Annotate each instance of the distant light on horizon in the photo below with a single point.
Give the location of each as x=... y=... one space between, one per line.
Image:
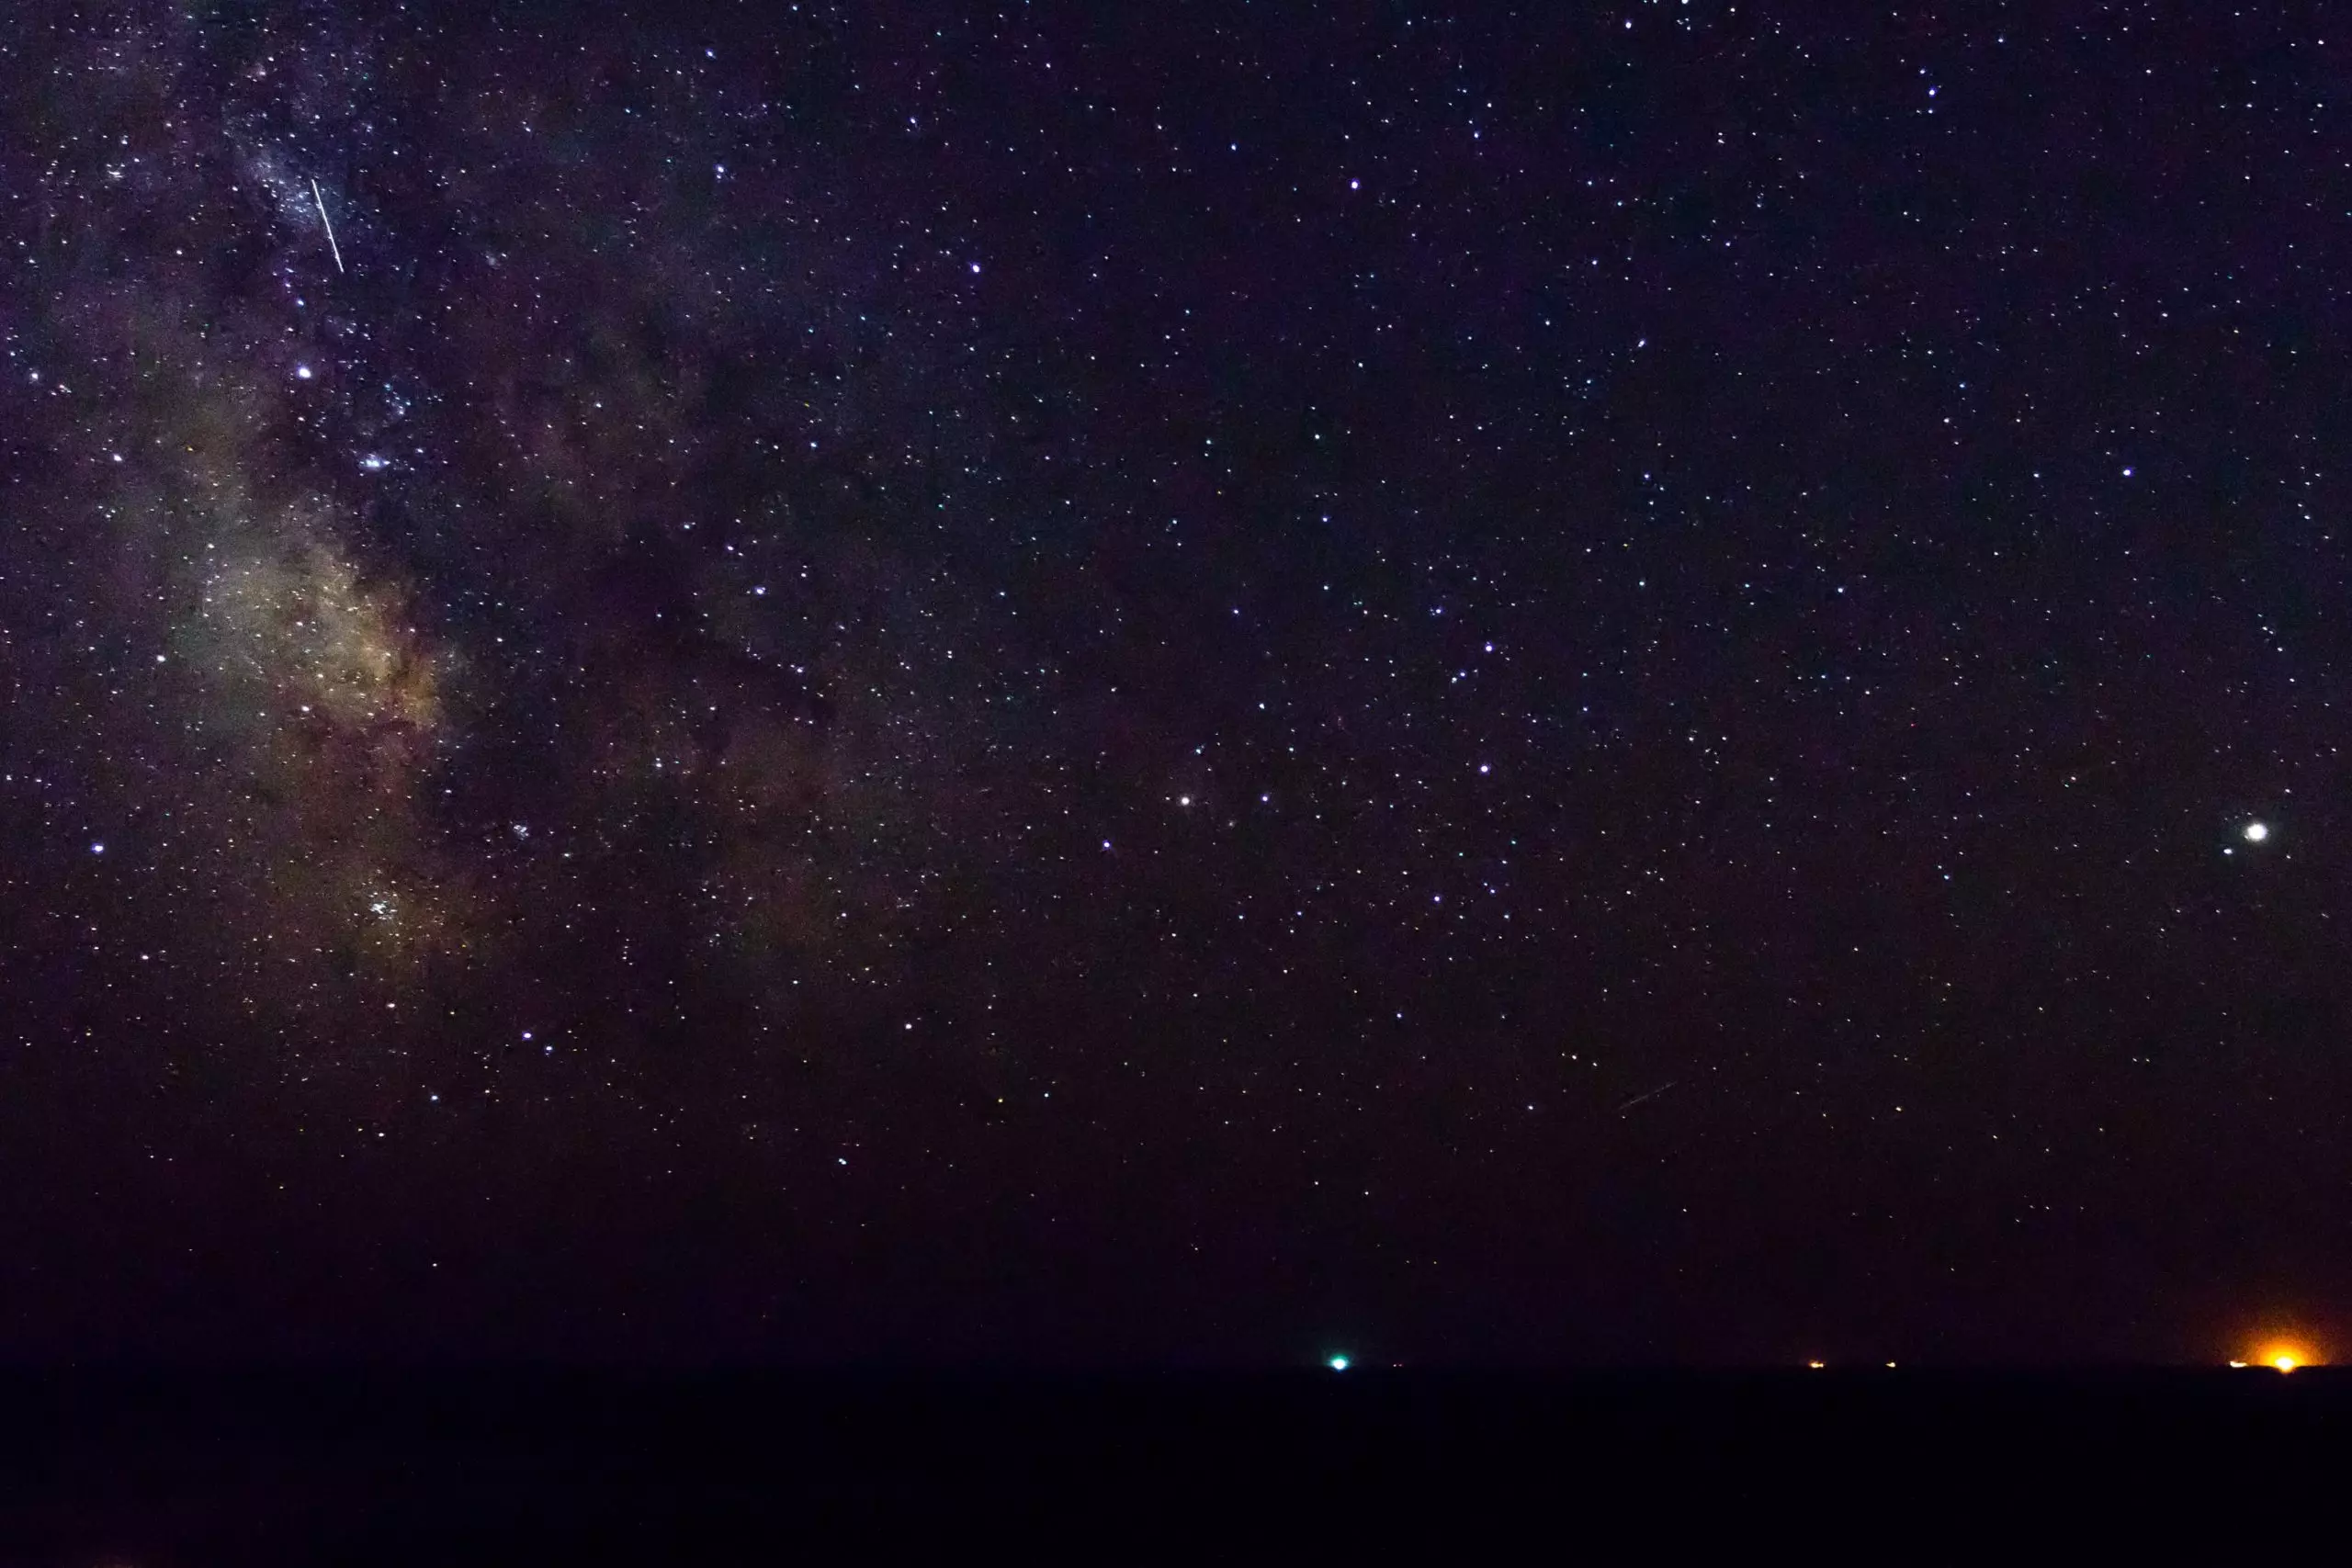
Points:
x=2285 y=1356
x=1337 y=1363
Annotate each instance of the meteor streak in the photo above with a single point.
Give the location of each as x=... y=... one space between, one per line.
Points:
x=329 y=222
x=1651 y=1095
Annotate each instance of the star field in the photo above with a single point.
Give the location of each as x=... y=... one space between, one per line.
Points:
x=1641 y=682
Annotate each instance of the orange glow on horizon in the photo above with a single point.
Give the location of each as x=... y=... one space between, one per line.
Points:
x=2285 y=1356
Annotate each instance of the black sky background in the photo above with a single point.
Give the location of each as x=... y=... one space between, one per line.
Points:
x=1212 y=682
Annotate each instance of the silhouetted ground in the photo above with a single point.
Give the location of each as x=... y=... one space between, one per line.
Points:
x=529 y=1467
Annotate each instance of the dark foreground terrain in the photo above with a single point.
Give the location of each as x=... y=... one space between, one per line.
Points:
x=530 y=1467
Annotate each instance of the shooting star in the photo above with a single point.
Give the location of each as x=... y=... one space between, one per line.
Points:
x=329 y=222
x=1651 y=1095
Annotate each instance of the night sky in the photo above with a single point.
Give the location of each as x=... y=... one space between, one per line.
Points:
x=1199 y=683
